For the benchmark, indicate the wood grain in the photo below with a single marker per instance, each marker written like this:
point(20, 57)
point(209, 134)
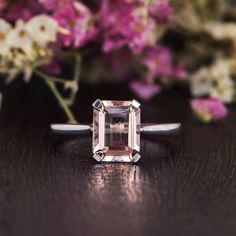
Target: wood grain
point(50, 185)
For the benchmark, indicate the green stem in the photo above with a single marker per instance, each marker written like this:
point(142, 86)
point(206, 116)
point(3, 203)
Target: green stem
point(78, 61)
point(51, 78)
point(57, 80)
point(62, 103)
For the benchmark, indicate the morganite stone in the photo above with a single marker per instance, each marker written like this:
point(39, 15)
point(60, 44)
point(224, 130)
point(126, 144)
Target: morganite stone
point(116, 131)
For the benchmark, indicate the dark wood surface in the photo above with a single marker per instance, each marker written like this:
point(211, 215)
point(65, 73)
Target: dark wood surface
point(50, 185)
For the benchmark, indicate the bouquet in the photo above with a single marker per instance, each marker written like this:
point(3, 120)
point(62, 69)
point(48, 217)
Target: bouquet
point(114, 40)
point(36, 36)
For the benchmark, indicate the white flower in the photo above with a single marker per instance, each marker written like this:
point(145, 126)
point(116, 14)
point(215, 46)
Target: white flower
point(22, 53)
point(200, 82)
point(221, 31)
point(18, 39)
point(220, 68)
point(214, 81)
point(43, 29)
point(222, 83)
point(28, 72)
point(11, 74)
point(5, 28)
point(223, 89)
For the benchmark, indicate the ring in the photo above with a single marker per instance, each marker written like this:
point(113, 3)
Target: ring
point(116, 130)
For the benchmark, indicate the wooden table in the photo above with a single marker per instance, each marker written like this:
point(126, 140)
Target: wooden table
point(50, 185)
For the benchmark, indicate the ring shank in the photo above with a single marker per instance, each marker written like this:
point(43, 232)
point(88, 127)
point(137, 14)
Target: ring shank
point(153, 129)
point(160, 129)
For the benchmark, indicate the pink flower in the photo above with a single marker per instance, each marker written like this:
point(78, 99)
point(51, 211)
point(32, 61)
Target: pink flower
point(159, 63)
point(180, 72)
point(123, 24)
point(209, 109)
point(49, 4)
point(161, 11)
point(3, 4)
point(145, 91)
point(77, 21)
point(19, 10)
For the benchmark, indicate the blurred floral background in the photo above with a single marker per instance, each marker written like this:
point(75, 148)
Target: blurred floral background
point(149, 44)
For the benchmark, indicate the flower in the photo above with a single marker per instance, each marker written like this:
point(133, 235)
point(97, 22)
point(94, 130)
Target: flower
point(3, 4)
point(160, 10)
point(214, 81)
point(223, 89)
point(23, 9)
point(222, 83)
point(125, 23)
point(180, 72)
point(49, 4)
point(22, 53)
point(19, 39)
point(77, 19)
point(159, 63)
point(200, 83)
point(42, 29)
point(221, 31)
point(5, 28)
point(209, 109)
point(145, 91)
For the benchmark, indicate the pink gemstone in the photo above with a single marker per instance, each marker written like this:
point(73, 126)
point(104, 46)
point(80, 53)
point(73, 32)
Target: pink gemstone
point(116, 131)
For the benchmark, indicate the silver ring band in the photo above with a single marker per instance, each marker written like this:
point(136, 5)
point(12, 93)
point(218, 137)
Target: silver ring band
point(145, 128)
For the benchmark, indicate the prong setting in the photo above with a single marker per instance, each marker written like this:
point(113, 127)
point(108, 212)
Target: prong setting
point(135, 104)
point(98, 105)
point(136, 158)
point(98, 156)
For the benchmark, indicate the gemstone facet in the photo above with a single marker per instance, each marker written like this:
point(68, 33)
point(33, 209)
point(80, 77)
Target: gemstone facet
point(116, 131)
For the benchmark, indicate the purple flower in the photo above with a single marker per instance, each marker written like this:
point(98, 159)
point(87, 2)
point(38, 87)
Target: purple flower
point(49, 4)
point(161, 11)
point(143, 90)
point(3, 4)
point(159, 63)
point(77, 20)
point(19, 10)
point(180, 72)
point(209, 109)
point(123, 24)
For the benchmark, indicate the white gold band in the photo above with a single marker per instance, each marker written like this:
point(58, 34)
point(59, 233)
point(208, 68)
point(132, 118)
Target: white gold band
point(153, 129)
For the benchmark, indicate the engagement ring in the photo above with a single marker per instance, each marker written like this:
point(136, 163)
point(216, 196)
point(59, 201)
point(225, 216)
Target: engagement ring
point(116, 130)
